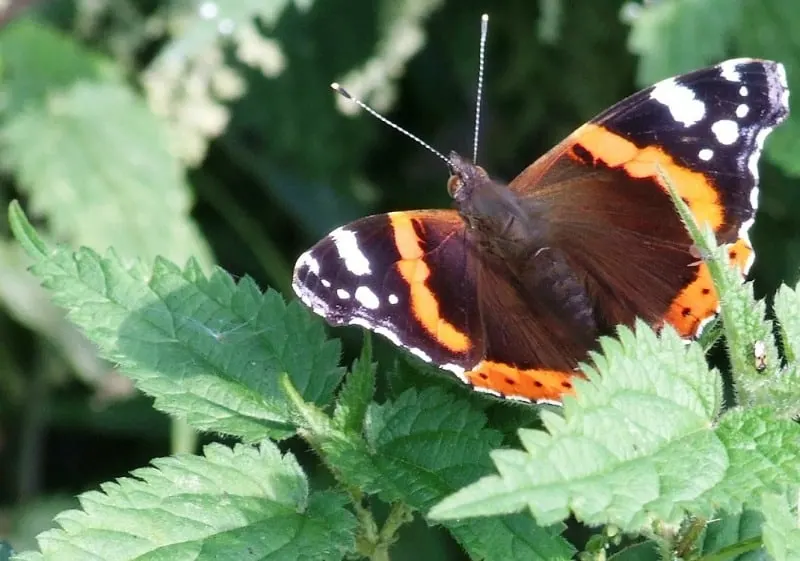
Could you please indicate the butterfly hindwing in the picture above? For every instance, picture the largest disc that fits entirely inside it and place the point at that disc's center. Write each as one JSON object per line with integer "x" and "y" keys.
{"x": 609, "y": 206}
{"x": 443, "y": 300}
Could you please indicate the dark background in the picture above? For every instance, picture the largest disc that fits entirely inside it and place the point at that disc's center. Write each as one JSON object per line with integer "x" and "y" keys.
{"x": 286, "y": 166}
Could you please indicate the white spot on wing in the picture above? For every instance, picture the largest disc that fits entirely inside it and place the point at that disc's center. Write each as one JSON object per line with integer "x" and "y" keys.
{"x": 704, "y": 323}
{"x": 752, "y": 163}
{"x": 754, "y": 198}
{"x": 728, "y": 71}
{"x": 347, "y": 245}
{"x": 393, "y": 299}
{"x": 680, "y": 100}
{"x": 761, "y": 137}
{"x": 307, "y": 260}
{"x": 310, "y": 299}
{"x": 361, "y": 322}
{"x": 490, "y": 391}
{"x": 457, "y": 370}
{"x": 744, "y": 230}
{"x": 342, "y": 293}
{"x": 743, "y": 91}
{"x": 726, "y": 131}
{"x": 780, "y": 70}
{"x": 391, "y": 335}
{"x": 742, "y": 110}
{"x": 706, "y": 154}
{"x": 326, "y": 283}
{"x": 751, "y": 256}
{"x": 367, "y": 298}
{"x": 419, "y": 353}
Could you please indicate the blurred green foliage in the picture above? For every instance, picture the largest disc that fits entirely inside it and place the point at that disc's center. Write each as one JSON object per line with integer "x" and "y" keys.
{"x": 197, "y": 128}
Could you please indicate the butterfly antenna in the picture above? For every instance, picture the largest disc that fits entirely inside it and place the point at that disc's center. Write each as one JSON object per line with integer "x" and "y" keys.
{"x": 481, "y": 62}
{"x": 344, "y": 93}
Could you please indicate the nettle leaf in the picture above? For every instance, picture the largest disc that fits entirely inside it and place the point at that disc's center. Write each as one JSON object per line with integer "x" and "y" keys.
{"x": 357, "y": 391}
{"x": 240, "y": 503}
{"x": 637, "y": 441}
{"x": 59, "y": 62}
{"x": 425, "y": 446}
{"x": 787, "y": 303}
{"x": 94, "y": 160}
{"x": 644, "y": 551}
{"x": 342, "y": 450}
{"x": 762, "y": 453}
{"x": 681, "y": 35}
{"x": 209, "y": 349}
{"x": 780, "y": 532}
{"x": 728, "y": 530}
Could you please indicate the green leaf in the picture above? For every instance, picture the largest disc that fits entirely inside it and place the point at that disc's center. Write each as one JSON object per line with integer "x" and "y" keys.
{"x": 356, "y": 393}
{"x": 240, "y": 503}
{"x": 426, "y": 445}
{"x": 208, "y": 349}
{"x": 635, "y": 443}
{"x": 762, "y": 453}
{"x": 638, "y": 442}
{"x": 781, "y": 534}
{"x": 508, "y": 537}
{"x": 736, "y": 534}
{"x": 787, "y": 302}
{"x": 645, "y": 551}
{"x": 420, "y": 448}
{"x": 94, "y": 160}
{"x": 37, "y": 60}
{"x": 677, "y": 36}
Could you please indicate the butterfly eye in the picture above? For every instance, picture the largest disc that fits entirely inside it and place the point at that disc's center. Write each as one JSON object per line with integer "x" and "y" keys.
{"x": 453, "y": 185}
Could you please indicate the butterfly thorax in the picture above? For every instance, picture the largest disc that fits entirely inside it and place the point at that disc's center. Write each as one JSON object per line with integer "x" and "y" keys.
{"x": 497, "y": 219}
{"x": 514, "y": 233}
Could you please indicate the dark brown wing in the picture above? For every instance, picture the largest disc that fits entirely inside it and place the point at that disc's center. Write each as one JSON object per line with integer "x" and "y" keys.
{"x": 611, "y": 214}
{"x": 417, "y": 279}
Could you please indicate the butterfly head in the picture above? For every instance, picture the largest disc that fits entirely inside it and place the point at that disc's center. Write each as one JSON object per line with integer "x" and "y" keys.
{"x": 465, "y": 177}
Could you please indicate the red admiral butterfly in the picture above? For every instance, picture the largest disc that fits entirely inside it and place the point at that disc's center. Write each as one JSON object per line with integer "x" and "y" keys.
{"x": 510, "y": 290}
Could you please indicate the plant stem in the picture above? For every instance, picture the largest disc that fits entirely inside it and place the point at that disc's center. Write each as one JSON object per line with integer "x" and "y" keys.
{"x": 399, "y": 515}
{"x": 183, "y": 438}
{"x": 687, "y": 542}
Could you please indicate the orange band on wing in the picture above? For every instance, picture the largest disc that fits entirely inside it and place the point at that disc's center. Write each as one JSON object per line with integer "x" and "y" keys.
{"x": 415, "y": 272}
{"x": 616, "y": 151}
{"x": 533, "y": 384}
{"x": 698, "y": 301}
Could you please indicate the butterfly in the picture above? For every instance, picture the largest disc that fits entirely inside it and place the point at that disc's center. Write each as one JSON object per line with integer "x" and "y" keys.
{"x": 510, "y": 289}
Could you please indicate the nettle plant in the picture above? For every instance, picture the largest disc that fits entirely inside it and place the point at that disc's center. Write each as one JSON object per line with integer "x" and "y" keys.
{"x": 647, "y": 453}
